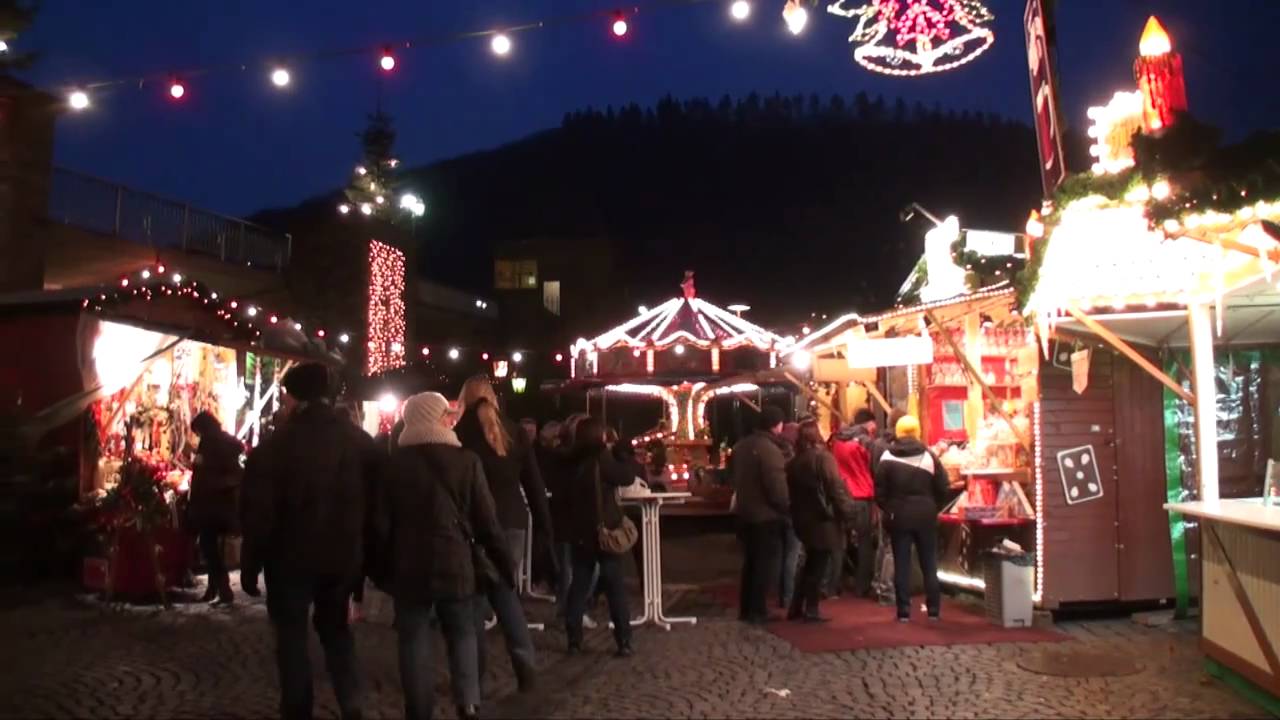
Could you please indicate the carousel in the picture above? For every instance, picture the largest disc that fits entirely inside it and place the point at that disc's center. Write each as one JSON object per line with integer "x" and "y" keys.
{"x": 684, "y": 353}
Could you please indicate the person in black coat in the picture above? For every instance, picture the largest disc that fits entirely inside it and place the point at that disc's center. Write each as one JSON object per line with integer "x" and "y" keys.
{"x": 820, "y": 505}
{"x": 592, "y": 504}
{"x": 212, "y": 507}
{"x": 307, "y": 514}
{"x": 911, "y": 487}
{"x": 436, "y": 505}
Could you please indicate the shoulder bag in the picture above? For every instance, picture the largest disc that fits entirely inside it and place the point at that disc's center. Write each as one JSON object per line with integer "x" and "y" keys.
{"x": 612, "y": 540}
{"x": 486, "y": 572}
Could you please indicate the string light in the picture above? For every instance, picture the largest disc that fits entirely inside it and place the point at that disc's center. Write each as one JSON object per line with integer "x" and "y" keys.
{"x": 388, "y": 61}
{"x": 454, "y": 353}
{"x": 916, "y": 37}
{"x": 517, "y": 357}
{"x": 500, "y": 44}
{"x": 177, "y": 90}
{"x": 78, "y": 100}
{"x": 1112, "y": 129}
{"x": 280, "y": 77}
{"x": 1038, "y": 463}
{"x": 366, "y": 208}
{"x": 385, "y": 313}
{"x": 344, "y": 208}
{"x": 426, "y": 352}
{"x": 146, "y": 274}
{"x": 620, "y": 26}
{"x": 795, "y": 16}
{"x": 740, "y": 10}
{"x": 344, "y": 338}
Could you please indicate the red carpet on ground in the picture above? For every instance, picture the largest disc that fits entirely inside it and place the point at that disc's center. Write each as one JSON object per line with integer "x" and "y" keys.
{"x": 858, "y": 624}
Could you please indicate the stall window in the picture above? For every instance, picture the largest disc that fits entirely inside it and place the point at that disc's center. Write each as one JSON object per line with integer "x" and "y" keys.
{"x": 952, "y": 415}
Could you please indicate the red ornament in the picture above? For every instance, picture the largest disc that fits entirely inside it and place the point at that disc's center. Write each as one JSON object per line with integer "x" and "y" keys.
{"x": 1158, "y": 71}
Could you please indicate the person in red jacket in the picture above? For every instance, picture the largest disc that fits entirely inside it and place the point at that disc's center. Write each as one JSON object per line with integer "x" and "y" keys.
{"x": 853, "y": 447}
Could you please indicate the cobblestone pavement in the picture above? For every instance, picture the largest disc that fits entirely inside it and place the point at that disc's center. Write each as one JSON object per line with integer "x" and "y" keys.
{"x": 74, "y": 658}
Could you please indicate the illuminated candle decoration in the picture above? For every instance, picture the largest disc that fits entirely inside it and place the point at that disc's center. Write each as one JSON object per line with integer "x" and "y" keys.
{"x": 1158, "y": 71}
{"x": 385, "y": 309}
{"x": 648, "y": 361}
{"x": 715, "y": 360}
{"x": 917, "y": 37}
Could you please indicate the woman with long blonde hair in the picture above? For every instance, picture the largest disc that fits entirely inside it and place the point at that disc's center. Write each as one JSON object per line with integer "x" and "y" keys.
{"x": 515, "y": 482}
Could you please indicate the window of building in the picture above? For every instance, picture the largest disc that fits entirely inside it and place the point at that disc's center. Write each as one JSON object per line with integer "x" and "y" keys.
{"x": 515, "y": 274}
{"x": 551, "y": 296}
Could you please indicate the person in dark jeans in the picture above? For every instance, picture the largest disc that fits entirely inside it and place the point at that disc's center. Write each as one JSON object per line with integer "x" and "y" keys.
{"x": 592, "y": 504}
{"x": 437, "y": 512}
{"x": 211, "y": 511}
{"x": 306, "y": 510}
{"x": 911, "y": 486}
{"x": 758, "y": 469}
{"x": 819, "y": 505}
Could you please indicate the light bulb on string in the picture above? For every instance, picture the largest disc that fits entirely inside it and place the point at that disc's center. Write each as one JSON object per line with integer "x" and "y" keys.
{"x": 740, "y": 10}
{"x": 344, "y": 208}
{"x": 796, "y": 16}
{"x": 361, "y": 171}
{"x": 366, "y": 208}
{"x": 388, "y": 61}
{"x": 4, "y": 47}
{"x": 177, "y": 90}
{"x": 500, "y": 44}
{"x": 620, "y": 26}
{"x": 280, "y": 77}
{"x": 78, "y": 100}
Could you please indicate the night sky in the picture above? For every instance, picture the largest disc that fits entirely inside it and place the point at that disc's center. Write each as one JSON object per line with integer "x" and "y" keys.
{"x": 236, "y": 144}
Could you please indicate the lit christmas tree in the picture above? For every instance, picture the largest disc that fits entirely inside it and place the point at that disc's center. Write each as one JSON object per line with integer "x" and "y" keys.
{"x": 915, "y": 37}
{"x": 375, "y": 187}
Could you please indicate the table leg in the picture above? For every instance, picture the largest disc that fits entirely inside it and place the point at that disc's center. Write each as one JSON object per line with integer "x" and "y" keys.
{"x": 655, "y": 551}
{"x": 526, "y": 574}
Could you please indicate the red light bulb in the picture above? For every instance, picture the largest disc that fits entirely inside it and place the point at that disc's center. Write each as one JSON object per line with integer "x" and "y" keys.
{"x": 620, "y": 26}
{"x": 177, "y": 90}
{"x": 388, "y": 61}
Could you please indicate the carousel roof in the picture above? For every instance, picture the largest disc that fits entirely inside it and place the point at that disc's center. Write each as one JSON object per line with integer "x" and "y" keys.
{"x": 687, "y": 320}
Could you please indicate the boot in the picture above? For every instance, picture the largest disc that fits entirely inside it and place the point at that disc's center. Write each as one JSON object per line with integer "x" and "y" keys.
{"x": 526, "y": 678}
{"x": 468, "y": 712}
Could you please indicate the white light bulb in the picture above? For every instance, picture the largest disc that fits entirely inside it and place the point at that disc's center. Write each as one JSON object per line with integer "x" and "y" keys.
{"x": 253, "y": 311}
{"x": 379, "y": 199}
{"x": 78, "y": 100}
{"x": 408, "y": 201}
{"x": 146, "y": 274}
{"x": 177, "y": 277}
{"x": 796, "y": 17}
{"x": 344, "y": 208}
{"x": 642, "y": 309}
{"x": 517, "y": 357}
{"x": 344, "y": 338}
{"x": 679, "y": 349}
{"x": 1161, "y": 190}
{"x": 388, "y": 403}
{"x": 501, "y": 44}
{"x": 360, "y": 170}
{"x": 454, "y": 353}
{"x": 4, "y": 47}
{"x": 740, "y": 10}
{"x": 280, "y": 77}
{"x": 801, "y": 360}
{"x": 366, "y": 208}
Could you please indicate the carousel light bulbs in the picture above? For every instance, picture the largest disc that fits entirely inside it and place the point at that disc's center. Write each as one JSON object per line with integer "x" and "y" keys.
{"x": 679, "y": 349}
{"x": 642, "y": 309}
{"x": 177, "y": 278}
{"x": 280, "y": 77}
{"x": 78, "y": 100}
{"x": 740, "y": 10}
{"x": 501, "y": 45}
{"x": 252, "y": 311}
{"x": 146, "y": 274}
{"x": 795, "y": 16}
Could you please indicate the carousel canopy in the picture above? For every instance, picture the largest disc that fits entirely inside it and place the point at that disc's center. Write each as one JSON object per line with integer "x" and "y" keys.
{"x": 686, "y": 320}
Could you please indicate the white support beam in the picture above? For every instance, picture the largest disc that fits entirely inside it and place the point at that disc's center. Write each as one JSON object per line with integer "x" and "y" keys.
{"x": 1203, "y": 386}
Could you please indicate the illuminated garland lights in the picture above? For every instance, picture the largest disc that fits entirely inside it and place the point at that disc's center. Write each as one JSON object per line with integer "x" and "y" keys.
{"x": 385, "y": 309}
{"x": 917, "y": 37}
{"x": 246, "y": 319}
{"x": 387, "y": 57}
{"x": 653, "y": 330}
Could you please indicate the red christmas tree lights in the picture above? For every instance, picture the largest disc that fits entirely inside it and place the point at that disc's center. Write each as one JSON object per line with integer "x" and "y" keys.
{"x": 386, "y": 318}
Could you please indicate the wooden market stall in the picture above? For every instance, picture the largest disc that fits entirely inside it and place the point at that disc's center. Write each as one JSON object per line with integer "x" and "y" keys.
{"x": 115, "y": 374}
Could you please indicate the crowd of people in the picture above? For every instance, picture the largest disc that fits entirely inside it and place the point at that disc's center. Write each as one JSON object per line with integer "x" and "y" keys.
{"x": 438, "y": 513}
{"x": 434, "y": 512}
{"x": 796, "y": 493}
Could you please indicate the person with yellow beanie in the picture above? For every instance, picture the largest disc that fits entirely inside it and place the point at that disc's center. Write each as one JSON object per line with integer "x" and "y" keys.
{"x": 911, "y": 487}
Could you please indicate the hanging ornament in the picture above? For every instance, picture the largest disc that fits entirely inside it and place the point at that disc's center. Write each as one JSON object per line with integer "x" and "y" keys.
{"x": 917, "y": 37}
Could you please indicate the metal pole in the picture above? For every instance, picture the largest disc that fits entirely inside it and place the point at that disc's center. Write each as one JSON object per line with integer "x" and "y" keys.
{"x": 119, "y": 207}
{"x": 186, "y": 224}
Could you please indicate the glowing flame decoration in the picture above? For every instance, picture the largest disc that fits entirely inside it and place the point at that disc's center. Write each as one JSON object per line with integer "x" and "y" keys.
{"x": 917, "y": 37}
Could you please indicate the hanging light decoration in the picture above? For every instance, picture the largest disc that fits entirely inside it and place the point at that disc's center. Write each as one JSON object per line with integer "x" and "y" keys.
{"x": 917, "y": 37}
{"x": 280, "y": 77}
{"x": 177, "y": 90}
{"x": 620, "y": 25}
{"x": 78, "y": 100}
{"x": 501, "y": 45}
{"x": 740, "y": 10}
{"x": 796, "y": 16}
{"x": 388, "y": 61}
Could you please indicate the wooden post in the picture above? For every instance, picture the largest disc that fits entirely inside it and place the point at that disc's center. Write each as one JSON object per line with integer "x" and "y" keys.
{"x": 1124, "y": 348}
{"x": 971, "y": 353}
{"x": 804, "y": 390}
{"x": 1200, "y": 325}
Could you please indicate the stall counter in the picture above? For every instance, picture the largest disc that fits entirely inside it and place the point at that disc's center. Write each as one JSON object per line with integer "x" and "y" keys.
{"x": 1240, "y": 626}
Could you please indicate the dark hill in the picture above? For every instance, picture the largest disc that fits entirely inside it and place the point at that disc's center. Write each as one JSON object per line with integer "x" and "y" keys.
{"x": 785, "y": 202}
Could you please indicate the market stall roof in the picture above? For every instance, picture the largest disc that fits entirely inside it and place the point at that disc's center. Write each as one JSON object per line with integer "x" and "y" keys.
{"x": 684, "y": 320}
{"x": 177, "y": 305}
{"x": 900, "y": 319}
{"x": 1106, "y": 255}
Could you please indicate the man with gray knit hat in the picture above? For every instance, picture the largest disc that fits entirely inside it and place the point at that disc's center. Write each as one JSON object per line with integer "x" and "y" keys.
{"x": 306, "y": 508}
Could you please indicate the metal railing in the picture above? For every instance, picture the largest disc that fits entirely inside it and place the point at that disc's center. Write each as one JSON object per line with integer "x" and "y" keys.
{"x": 110, "y": 208}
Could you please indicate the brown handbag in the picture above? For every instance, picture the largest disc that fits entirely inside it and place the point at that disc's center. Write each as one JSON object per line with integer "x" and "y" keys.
{"x": 613, "y": 540}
